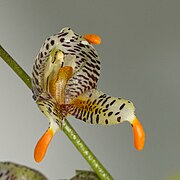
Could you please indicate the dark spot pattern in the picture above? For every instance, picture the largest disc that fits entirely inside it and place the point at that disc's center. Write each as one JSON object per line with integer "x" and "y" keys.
{"x": 111, "y": 103}
{"x": 97, "y": 119}
{"x": 110, "y": 113}
{"x": 62, "y": 40}
{"x": 52, "y": 42}
{"x": 47, "y": 46}
{"x": 101, "y": 109}
{"x": 119, "y": 119}
{"x": 106, "y": 121}
{"x": 122, "y": 106}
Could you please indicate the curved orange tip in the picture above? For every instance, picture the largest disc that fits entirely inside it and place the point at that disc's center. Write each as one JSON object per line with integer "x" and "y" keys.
{"x": 42, "y": 145}
{"x": 139, "y": 134}
{"x": 92, "y": 38}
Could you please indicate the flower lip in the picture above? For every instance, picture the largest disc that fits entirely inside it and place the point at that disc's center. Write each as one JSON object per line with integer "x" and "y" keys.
{"x": 57, "y": 85}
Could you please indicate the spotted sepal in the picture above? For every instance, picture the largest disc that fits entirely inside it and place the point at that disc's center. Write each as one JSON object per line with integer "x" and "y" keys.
{"x": 95, "y": 107}
{"x": 75, "y": 51}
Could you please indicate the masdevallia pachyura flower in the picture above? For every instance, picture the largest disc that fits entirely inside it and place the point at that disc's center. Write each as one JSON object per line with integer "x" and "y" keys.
{"x": 64, "y": 81}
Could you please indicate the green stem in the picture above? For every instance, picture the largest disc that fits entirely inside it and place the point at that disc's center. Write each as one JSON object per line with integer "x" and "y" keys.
{"x": 85, "y": 151}
{"x": 67, "y": 128}
{"x": 15, "y": 67}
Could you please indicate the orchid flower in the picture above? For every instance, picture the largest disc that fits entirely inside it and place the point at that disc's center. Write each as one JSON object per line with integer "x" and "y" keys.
{"x": 64, "y": 82}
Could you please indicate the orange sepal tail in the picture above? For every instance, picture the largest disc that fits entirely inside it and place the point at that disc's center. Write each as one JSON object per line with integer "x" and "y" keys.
{"x": 139, "y": 134}
{"x": 42, "y": 145}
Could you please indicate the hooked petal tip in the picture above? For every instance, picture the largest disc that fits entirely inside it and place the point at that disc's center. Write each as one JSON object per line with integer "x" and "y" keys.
{"x": 42, "y": 145}
{"x": 139, "y": 134}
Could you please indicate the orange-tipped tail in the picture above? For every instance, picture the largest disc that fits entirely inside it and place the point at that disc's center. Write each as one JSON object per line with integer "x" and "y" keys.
{"x": 92, "y": 38}
{"x": 139, "y": 134}
{"x": 42, "y": 145}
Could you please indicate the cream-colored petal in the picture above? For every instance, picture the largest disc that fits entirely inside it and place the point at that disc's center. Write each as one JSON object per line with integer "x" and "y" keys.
{"x": 95, "y": 107}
